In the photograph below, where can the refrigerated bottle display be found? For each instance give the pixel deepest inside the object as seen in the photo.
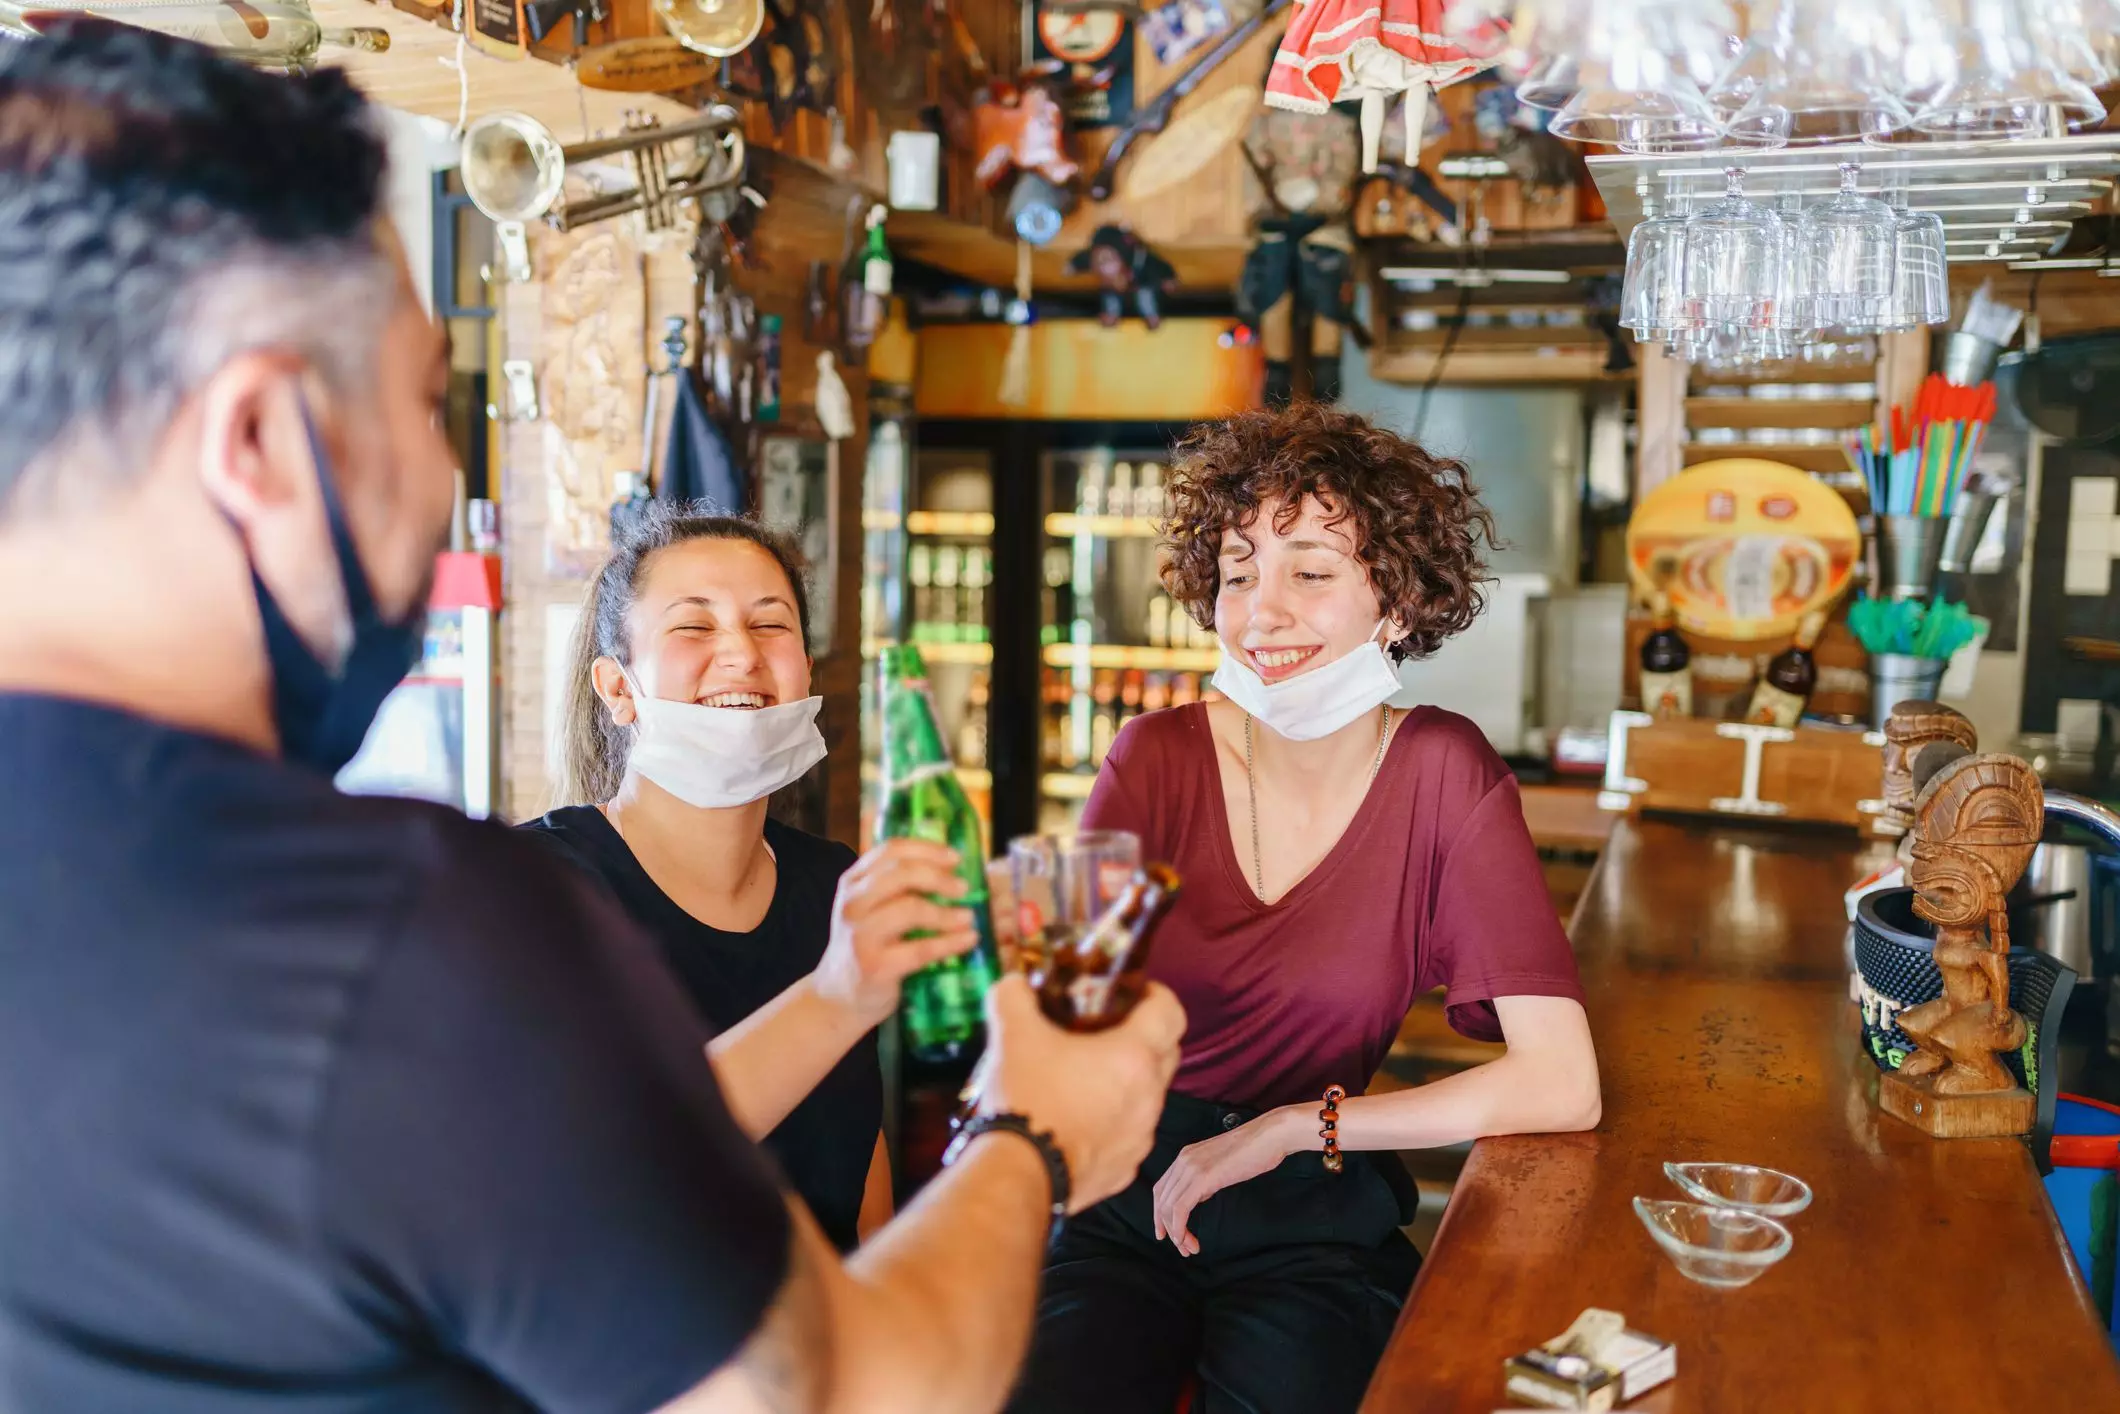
(1115, 645)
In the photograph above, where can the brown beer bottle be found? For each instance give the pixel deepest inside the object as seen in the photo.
(1666, 663)
(1092, 981)
(1786, 686)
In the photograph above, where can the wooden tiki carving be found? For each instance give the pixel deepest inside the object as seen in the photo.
(1912, 726)
(1977, 820)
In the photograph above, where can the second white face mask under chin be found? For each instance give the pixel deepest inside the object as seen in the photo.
(1317, 703)
(720, 756)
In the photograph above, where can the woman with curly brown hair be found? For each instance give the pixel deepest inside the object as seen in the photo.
(1341, 859)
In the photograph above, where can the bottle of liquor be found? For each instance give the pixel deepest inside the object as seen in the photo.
(1089, 488)
(1104, 719)
(1091, 981)
(1155, 692)
(949, 605)
(1148, 491)
(1119, 499)
(1059, 594)
(1132, 692)
(940, 1011)
(1778, 700)
(971, 733)
(1184, 689)
(978, 574)
(920, 570)
(1158, 621)
(1052, 731)
(1667, 674)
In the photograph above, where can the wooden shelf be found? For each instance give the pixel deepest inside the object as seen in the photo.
(1804, 458)
(1067, 526)
(1565, 362)
(1120, 655)
(967, 653)
(1779, 412)
(978, 524)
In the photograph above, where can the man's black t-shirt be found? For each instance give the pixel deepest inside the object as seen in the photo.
(826, 1143)
(341, 1104)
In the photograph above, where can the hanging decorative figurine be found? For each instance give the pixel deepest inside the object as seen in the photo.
(1371, 50)
(1297, 286)
(790, 65)
(1125, 267)
(1096, 43)
(1020, 127)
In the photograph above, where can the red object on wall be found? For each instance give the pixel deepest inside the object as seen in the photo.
(466, 579)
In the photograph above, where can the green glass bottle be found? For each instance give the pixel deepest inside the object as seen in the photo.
(941, 1012)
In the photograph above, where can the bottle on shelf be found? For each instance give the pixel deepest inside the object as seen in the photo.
(1155, 692)
(1786, 686)
(1148, 491)
(1184, 689)
(1059, 594)
(1104, 715)
(1089, 487)
(1666, 664)
(978, 574)
(1159, 621)
(920, 572)
(1052, 730)
(941, 1010)
(1119, 499)
(1133, 691)
(949, 605)
(971, 733)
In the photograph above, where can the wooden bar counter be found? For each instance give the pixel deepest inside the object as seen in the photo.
(1926, 1275)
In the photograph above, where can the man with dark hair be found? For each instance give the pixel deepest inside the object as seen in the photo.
(342, 1104)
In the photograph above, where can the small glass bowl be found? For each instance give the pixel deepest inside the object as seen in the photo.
(1756, 1190)
(1714, 1246)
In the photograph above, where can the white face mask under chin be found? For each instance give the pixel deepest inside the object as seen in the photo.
(1317, 703)
(714, 757)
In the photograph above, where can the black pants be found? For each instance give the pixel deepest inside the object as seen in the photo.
(1286, 1309)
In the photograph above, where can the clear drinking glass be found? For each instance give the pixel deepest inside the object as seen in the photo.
(1922, 280)
(1736, 260)
(1849, 251)
(1063, 883)
(2065, 34)
(2005, 87)
(1923, 48)
(1653, 293)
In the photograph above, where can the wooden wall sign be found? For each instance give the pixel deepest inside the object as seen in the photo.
(1976, 822)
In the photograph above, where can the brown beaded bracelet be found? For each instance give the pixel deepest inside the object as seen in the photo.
(1329, 1118)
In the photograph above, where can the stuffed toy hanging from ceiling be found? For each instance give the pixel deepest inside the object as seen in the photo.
(1371, 50)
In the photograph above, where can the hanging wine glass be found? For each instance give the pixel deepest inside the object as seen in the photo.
(1549, 83)
(1920, 48)
(1813, 74)
(1736, 260)
(1849, 248)
(1631, 94)
(2004, 86)
(2062, 32)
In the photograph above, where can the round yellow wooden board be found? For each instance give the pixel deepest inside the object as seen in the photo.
(1744, 547)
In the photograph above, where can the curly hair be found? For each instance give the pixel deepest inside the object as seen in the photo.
(1417, 524)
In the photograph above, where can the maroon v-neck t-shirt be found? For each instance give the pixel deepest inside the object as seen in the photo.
(1435, 884)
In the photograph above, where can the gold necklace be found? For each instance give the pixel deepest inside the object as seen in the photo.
(1251, 787)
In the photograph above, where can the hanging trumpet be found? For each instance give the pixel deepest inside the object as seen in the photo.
(514, 168)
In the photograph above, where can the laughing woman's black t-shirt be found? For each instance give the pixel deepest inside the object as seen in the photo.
(826, 1143)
